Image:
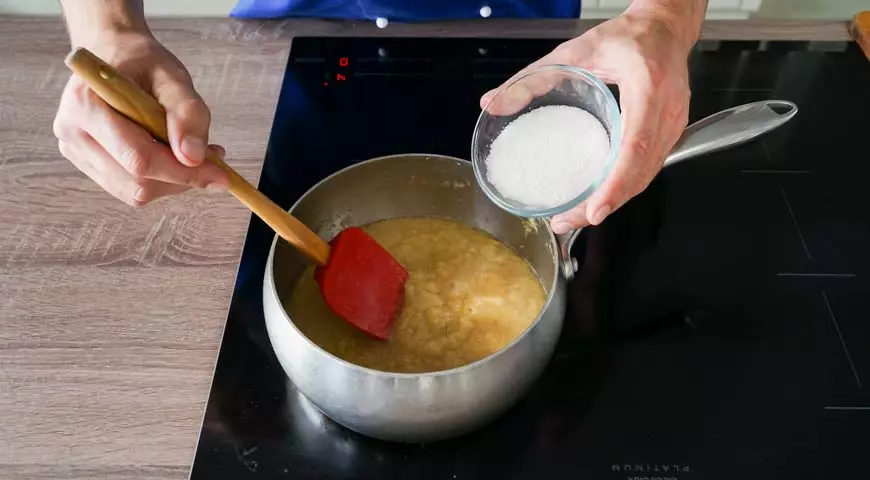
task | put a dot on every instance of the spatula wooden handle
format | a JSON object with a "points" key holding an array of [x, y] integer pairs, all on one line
{"points": [[860, 30], [131, 100]]}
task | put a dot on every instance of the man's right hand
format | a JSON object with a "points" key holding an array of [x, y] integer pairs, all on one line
{"points": [[120, 155]]}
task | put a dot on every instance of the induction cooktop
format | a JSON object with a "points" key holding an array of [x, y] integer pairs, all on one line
{"points": [[718, 328]]}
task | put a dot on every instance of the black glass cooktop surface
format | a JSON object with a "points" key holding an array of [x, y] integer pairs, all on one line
{"points": [[718, 328]]}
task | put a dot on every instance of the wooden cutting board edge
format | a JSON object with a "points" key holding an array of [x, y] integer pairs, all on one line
{"points": [[860, 31]]}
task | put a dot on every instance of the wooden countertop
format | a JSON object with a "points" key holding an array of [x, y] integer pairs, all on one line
{"points": [[111, 317]]}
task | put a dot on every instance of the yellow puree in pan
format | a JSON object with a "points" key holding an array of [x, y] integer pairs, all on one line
{"points": [[468, 295]]}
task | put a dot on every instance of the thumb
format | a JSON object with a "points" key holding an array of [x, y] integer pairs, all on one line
{"points": [[639, 157], [570, 220], [187, 119]]}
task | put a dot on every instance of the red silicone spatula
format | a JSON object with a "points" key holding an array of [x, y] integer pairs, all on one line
{"points": [[362, 282], [358, 278]]}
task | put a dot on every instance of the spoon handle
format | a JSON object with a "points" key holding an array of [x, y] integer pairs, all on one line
{"points": [[131, 100]]}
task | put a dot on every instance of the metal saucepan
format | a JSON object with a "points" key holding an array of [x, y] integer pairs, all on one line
{"points": [[438, 405]]}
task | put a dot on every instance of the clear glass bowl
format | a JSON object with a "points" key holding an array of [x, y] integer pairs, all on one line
{"points": [[542, 86]]}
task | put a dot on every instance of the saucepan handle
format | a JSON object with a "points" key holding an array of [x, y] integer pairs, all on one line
{"points": [[728, 128]]}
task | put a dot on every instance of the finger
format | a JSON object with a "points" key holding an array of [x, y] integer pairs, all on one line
{"points": [[570, 220], [187, 116], [81, 161], [89, 157], [640, 154], [139, 154]]}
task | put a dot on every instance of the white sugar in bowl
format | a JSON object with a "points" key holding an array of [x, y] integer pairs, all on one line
{"points": [[546, 140]]}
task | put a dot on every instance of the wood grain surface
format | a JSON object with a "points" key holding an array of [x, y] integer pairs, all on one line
{"points": [[111, 317]]}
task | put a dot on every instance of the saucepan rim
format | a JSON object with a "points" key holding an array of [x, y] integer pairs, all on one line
{"points": [[270, 278]]}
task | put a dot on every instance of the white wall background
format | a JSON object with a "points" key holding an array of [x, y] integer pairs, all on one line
{"points": [[812, 9]]}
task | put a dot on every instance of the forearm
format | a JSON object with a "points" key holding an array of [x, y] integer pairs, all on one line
{"points": [[683, 17], [88, 20]]}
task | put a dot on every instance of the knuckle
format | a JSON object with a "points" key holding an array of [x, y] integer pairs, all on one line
{"points": [[193, 108], [565, 53], [173, 73], [656, 73], [136, 161], [641, 146], [83, 96], [79, 93], [79, 108], [181, 75], [63, 125]]}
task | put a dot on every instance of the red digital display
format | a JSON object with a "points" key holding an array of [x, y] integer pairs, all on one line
{"points": [[343, 62]]}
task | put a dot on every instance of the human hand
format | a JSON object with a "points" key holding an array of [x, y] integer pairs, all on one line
{"points": [[647, 59], [118, 154]]}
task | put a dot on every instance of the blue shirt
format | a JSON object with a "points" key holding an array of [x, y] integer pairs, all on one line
{"points": [[406, 10]]}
